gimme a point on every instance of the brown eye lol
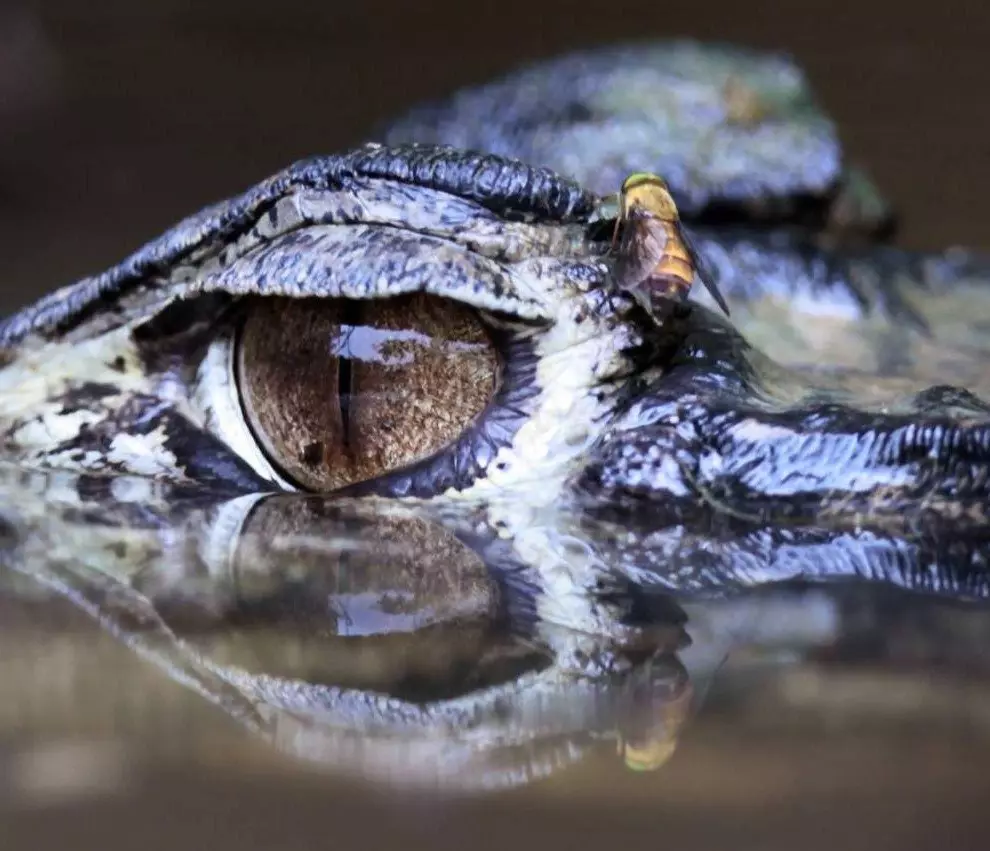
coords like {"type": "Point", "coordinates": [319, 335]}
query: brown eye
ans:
{"type": "Point", "coordinates": [342, 391]}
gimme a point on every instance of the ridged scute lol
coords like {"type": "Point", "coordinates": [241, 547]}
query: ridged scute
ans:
{"type": "Point", "coordinates": [504, 186]}
{"type": "Point", "coordinates": [714, 431]}
{"type": "Point", "coordinates": [660, 106]}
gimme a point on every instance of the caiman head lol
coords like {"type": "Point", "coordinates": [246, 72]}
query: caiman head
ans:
{"type": "Point", "coordinates": [447, 330]}
{"type": "Point", "coordinates": [418, 371]}
{"type": "Point", "coordinates": [422, 324]}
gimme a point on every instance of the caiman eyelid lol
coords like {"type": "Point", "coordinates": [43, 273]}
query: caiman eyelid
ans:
{"type": "Point", "coordinates": [503, 185]}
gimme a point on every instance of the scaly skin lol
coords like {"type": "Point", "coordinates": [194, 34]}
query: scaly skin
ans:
{"type": "Point", "coordinates": [628, 466]}
{"type": "Point", "coordinates": [676, 108]}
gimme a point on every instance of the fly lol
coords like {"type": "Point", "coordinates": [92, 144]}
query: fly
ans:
{"type": "Point", "coordinates": [655, 257]}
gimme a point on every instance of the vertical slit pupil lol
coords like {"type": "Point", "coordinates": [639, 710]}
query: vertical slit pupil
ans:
{"type": "Point", "coordinates": [350, 315]}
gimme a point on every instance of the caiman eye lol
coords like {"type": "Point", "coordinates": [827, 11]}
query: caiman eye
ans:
{"type": "Point", "coordinates": [342, 391]}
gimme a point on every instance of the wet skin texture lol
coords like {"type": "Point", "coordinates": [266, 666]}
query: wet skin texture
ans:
{"type": "Point", "coordinates": [841, 406]}
{"type": "Point", "coordinates": [527, 589]}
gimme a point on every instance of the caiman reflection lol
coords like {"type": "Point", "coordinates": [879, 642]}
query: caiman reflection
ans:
{"type": "Point", "coordinates": [376, 640]}
{"type": "Point", "coordinates": [486, 547]}
{"type": "Point", "coordinates": [353, 637]}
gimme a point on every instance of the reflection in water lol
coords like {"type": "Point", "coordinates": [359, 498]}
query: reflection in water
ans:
{"type": "Point", "coordinates": [371, 637]}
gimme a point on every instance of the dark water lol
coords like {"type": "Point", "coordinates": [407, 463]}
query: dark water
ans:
{"type": "Point", "coordinates": [776, 717]}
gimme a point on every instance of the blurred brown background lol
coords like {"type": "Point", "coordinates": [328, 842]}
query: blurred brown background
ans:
{"type": "Point", "coordinates": [119, 117]}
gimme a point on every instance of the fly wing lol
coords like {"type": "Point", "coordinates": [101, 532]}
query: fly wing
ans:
{"type": "Point", "coordinates": [703, 272]}
{"type": "Point", "coordinates": [641, 247]}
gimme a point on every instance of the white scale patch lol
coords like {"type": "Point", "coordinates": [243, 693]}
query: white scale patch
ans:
{"type": "Point", "coordinates": [843, 466]}
{"type": "Point", "coordinates": [33, 392]}
{"type": "Point", "coordinates": [52, 370]}
{"type": "Point", "coordinates": [49, 427]}
{"type": "Point", "coordinates": [143, 454]}
{"type": "Point", "coordinates": [570, 415]}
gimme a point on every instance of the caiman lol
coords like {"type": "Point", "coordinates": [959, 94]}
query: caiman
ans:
{"type": "Point", "coordinates": [411, 379]}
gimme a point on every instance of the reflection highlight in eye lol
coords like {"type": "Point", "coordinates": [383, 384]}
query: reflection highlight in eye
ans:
{"type": "Point", "coordinates": [370, 344]}
{"type": "Point", "coordinates": [342, 391]}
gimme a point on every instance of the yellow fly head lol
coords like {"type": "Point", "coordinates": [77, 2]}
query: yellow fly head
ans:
{"type": "Point", "coordinates": [649, 193]}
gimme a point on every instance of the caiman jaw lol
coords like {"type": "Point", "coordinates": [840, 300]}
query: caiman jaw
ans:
{"type": "Point", "coordinates": [711, 434]}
